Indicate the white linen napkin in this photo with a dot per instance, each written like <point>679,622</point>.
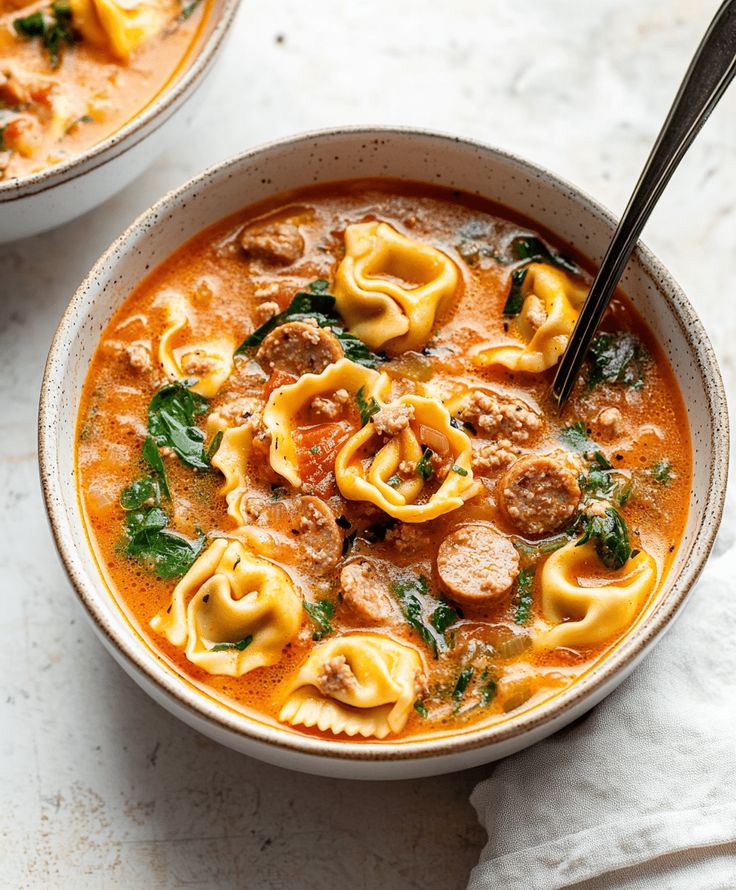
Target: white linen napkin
<point>640,792</point>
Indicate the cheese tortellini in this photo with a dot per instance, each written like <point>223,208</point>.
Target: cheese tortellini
<point>552,304</point>
<point>390,288</point>
<point>586,608</point>
<point>210,363</point>
<point>231,459</point>
<point>121,26</point>
<point>233,611</point>
<point>369,465</point>
<point>357,684</point>
<point>281,415</point>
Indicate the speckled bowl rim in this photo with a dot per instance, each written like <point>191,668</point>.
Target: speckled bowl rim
<point>631,649</point>
<point>122,140</point>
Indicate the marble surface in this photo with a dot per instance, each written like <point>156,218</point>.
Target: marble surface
<point>100,786</point>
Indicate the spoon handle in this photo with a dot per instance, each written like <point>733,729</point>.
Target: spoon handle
<point>711,71</point>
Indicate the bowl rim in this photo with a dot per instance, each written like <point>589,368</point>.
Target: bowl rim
<point>130,648</point>
<point>153,116</point>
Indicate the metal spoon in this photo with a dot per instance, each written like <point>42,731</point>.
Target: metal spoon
<point>711,71</point>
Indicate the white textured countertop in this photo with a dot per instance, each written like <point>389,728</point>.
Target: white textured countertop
<point>100,786</point>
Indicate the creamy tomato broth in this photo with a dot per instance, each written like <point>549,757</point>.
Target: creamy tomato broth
<point>72,72</point>
<point>324,477</point>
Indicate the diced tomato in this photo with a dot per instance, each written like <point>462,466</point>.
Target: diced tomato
<point>317,447</point>
<point>277,379</point>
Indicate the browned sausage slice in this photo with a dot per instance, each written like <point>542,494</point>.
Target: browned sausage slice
<point>279,244</point>
<point>539,493</point>
<point>298,347</point>
<point>365,590</point>
<point>477,565</point>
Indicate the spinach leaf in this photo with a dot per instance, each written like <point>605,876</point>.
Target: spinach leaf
<point>421,709</point>
<point>214,445</point>
<point>142,492</point>
<point>465,676</point>
<point>617,358</point>
<point>424,468</point>
<point>534,250</point>
<point>168,553</point>
<point>321,612</point>
<point>575,437</point>
<point>153,458</point>
<point>171,415</point>
<point>412,595</point>
<point>315,303</point>
<point>611,536</point>
<point>662,471</point>
<point>241,645</point>
<point>515,298</point>
<point>54,28</point>
<point>524,598</point>
<point>601,481</point>
<point>443,616</point>
<point>461,471</point>
<point>366,407</point>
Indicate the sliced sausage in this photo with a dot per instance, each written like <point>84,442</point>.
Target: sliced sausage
<point>365,590</point>
<point>279,244</point>
<point>298,347</point>
<point>301,529</point>
<point>477,565</point>
<point>539,493</point>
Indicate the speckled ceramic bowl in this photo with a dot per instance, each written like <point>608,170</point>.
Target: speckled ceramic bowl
<point>39,202</point>
<point>330,156</point>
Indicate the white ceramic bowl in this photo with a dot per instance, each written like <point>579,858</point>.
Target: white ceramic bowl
<point>330,156</point>
<point>33,204</point>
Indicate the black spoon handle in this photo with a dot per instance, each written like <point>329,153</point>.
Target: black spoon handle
<point>711,71</point>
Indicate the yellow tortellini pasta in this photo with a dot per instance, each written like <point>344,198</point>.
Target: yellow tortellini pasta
<point>233,611</point>
<point>368,464</point>
<point>231,459</point>
<point>390,288</point>
<point>586,608</point>
<point>121,25</point>
<point>210,362</point>
<point>552,303</point>
<point>280,416</point>
<point>357,684</point>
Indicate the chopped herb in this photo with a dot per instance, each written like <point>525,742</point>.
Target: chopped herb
<point>524,597</point>
<point>171,415</point>
<point>412,596</point>
<point>443,616</point>
<point>241,645</point>
<point>515,298</point>
<point>662,471</point>
<point>465,676</point>
<point>611,537</point>
<point>424,468</point>
<point>54,28</point>
<point>277,492</point>
<point>616,358</point>
<point>488,693</point>
<point>314,449</point>
<point>575,437</point>
<point>315,303</point>
<point>84,119</point>
<point>420,708</point>
<point>187,9</point>
<point>347,543</point>
<point>343,522</point>
<point>2,138</point>
<point>214,445</point>
<point>320,612</point>
<point>394,480</point>
<point>534,250</point>
<point>461,471</point>
<point>366,407</point>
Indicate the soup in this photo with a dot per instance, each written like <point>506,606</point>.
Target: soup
<point>74,71</point>
<point>324,477</point>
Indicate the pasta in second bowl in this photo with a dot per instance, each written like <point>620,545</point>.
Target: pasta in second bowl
<point>342,528</point>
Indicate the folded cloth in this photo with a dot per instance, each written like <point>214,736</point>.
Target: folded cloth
<point>640,792</point>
